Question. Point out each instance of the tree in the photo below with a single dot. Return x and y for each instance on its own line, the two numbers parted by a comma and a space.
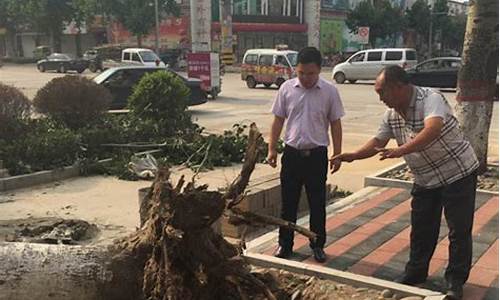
418, 18
138, 16
49, 16
454, 32
440, 20
476, 78
383, 19
83, 12
13, 16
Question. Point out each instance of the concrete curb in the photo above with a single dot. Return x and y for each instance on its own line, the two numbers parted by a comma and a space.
44, 177
379, 179
340, 276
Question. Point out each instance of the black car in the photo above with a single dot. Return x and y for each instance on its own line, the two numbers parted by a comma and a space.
121, 80
62, 63
439, 72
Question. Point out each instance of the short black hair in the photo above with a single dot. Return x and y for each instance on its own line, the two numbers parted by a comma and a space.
309, 55
395, 74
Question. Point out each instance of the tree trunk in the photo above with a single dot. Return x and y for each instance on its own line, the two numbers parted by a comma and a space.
41, 271
78, 43
476, 79
139, 41
12, 42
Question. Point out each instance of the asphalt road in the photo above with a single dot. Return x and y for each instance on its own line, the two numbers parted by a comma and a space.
239, 104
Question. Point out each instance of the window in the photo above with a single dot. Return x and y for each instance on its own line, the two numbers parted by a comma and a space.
431, 65
281, 61
358, 57
375, 56
266, 60
251, 59
411, 55
255, 7
148, 56
292, 57
126, 56
393, 55
240, 7
135, 57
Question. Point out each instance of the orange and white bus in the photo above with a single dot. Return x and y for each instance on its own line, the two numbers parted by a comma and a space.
268, 66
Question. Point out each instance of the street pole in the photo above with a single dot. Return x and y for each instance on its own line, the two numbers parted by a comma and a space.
430, 30
430, 40
157, 29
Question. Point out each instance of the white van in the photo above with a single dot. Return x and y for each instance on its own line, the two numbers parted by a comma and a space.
141, 56
366, 64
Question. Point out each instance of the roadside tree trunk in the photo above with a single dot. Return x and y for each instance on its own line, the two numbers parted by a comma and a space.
78, 43
476, 78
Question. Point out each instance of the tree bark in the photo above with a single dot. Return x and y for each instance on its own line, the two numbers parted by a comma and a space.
41, 271
476, 79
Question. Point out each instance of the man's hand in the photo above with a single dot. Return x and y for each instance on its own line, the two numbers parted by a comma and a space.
272, 156
335, 164
390, 152
347, 157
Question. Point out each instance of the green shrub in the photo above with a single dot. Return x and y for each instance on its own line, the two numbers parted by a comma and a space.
162, 97
73, 100
15, 110
45, 146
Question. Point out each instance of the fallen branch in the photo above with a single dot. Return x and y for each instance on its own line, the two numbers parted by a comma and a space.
239, 217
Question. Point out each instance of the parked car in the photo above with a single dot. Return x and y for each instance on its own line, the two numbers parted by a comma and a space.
62, 63
366, 64
439, 72
141, 56
41, 52
268, 66
120, 81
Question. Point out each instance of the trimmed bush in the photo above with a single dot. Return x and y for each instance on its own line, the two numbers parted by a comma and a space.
45, 146
162, 97
15, 110
73, 100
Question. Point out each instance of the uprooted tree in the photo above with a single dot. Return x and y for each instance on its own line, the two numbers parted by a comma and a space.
174, 255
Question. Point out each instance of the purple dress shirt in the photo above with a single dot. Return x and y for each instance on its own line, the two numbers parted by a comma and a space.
308, 112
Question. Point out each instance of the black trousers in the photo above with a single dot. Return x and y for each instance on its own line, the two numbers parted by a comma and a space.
309, 169
457, 200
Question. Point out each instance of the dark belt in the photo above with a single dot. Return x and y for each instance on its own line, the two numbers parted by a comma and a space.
304, 152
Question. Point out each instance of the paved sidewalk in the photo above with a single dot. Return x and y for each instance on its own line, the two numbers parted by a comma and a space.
372, 238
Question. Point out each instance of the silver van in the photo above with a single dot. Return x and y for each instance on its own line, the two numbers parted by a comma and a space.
366, 64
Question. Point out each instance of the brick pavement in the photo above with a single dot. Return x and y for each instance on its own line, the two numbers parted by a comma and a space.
372, 238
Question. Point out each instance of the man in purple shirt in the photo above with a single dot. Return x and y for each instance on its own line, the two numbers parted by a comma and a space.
310, 105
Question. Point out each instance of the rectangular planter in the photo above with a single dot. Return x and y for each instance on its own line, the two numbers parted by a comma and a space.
380, 179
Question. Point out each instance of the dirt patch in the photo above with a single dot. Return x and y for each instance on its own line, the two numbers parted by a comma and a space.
48, 230
287, 285
487, 181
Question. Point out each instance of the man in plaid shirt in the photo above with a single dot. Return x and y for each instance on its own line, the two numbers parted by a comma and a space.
444, 166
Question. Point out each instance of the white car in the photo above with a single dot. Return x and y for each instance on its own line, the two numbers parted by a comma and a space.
366, 64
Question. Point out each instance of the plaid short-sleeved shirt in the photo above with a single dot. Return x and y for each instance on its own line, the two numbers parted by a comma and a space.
448, 158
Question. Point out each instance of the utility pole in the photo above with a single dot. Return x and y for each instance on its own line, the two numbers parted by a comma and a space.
430, 31
157, 29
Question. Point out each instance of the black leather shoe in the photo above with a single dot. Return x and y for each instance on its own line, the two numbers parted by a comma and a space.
319, 255
410, 280
282, 252
455, 292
